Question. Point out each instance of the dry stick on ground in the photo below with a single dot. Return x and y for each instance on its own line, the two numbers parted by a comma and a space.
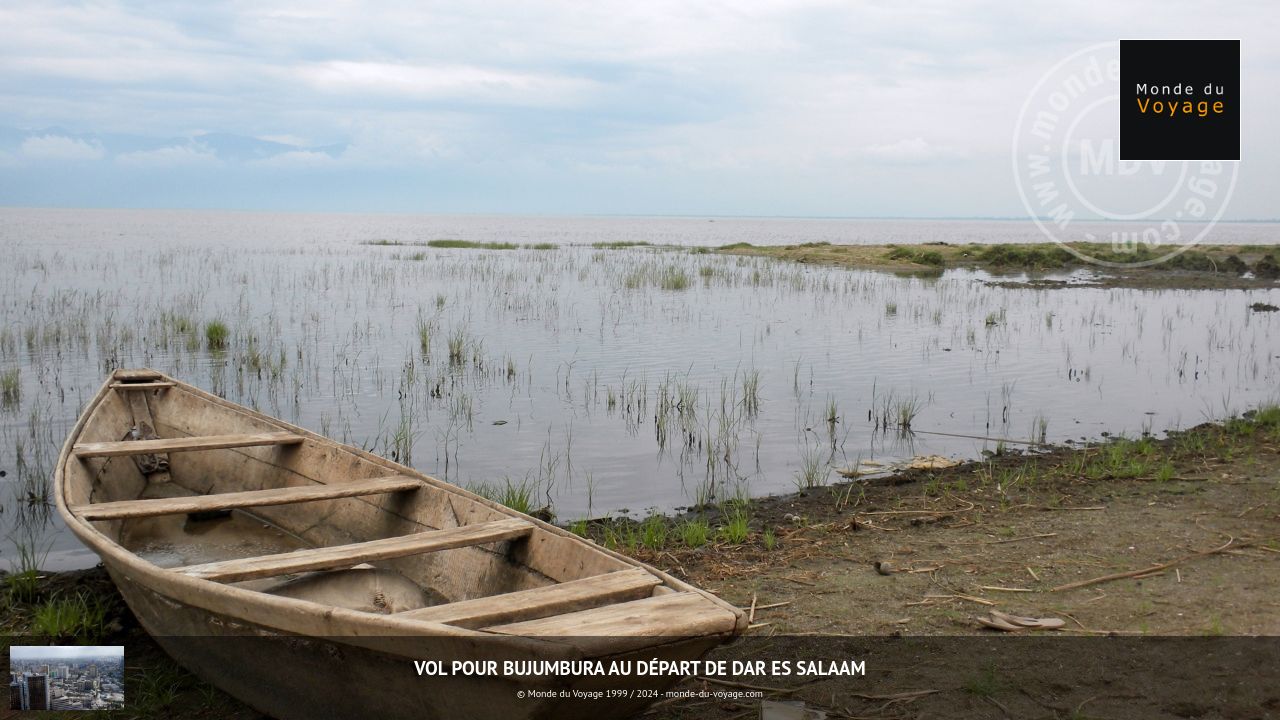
1147, 570
1008, 540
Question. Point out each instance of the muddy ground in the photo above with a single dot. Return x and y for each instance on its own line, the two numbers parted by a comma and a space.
1176, 537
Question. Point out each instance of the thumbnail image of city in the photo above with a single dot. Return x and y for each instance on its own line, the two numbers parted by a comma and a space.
66, 678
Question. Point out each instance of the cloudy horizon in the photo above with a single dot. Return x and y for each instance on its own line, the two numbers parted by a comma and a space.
64, 652
765, 108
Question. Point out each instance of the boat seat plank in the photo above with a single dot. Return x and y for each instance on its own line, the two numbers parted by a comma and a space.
142, 385
565, 597
136, 375
249, 498
341, 556
681, 614
184, 444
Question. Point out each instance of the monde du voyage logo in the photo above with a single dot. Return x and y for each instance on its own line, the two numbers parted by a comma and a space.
1125, 152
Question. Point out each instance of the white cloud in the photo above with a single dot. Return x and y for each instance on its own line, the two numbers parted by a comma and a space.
910, 151
169, 157
60, 147
425, 82
309, 159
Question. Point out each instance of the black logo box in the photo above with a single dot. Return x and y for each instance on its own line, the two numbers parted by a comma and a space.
1158, 78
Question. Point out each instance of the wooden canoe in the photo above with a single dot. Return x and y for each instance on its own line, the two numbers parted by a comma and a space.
305, 577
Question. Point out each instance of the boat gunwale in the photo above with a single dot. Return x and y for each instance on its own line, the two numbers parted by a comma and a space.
305, 617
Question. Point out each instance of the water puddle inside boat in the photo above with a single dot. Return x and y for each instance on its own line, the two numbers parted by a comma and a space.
577, 370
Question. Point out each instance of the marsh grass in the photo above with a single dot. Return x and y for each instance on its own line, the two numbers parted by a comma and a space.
471, 244
674, 278
22, 584
814, 470
10, 388
620, 244
519, 496
216, 335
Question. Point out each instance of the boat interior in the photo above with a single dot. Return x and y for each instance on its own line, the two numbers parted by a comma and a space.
202, 487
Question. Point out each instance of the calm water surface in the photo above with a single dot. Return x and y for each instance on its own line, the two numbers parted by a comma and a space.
603, 380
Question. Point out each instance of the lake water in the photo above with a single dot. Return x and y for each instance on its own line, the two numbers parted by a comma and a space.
603, 380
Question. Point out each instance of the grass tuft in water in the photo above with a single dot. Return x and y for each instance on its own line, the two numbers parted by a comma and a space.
517, 496
10, 388
471, 244
216, 335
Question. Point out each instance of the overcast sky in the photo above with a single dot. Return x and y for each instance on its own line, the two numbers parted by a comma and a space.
66, 652
738, 108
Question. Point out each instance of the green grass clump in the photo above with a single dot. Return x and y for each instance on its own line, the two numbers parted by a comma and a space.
81, 618
1033, 257
10, 387
813, 471
1123, 459
1265, 418
737, 525
543, 246
216, 335
674, 278
22, 586
923, 257
694, 532
620, 244
471, 244
653, 532
736, 246
517, 496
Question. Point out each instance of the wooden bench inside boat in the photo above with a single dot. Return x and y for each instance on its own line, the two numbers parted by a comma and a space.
343, 556
245, 499
571, 596
185, 444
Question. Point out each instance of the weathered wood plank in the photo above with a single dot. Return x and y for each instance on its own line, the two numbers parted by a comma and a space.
142, 385
127, 375
186, 444
250, 498
540, 602
339, 556
685, 614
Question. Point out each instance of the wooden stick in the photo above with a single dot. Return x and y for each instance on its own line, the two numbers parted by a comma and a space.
1003, 589
970, 598
1032, 443
1010, 540
1146, 570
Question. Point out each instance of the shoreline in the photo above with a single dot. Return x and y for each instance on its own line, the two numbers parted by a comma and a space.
1201, 267
1131, 537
